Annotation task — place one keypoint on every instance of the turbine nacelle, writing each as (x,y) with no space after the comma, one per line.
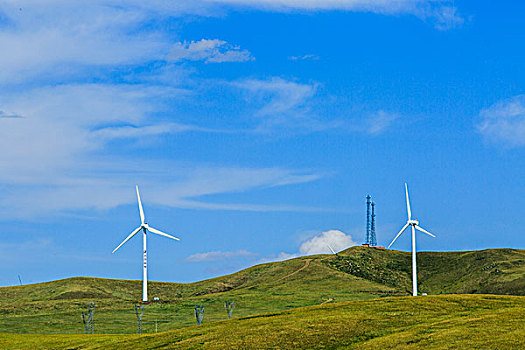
(413,222)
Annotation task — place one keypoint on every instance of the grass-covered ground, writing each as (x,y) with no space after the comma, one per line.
(432,322)
(491,271)
(55,307)
(355,274)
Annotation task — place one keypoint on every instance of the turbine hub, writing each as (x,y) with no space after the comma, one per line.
(413,222)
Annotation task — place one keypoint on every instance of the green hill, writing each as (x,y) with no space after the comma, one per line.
(491,271)
(356,274)
(432,322)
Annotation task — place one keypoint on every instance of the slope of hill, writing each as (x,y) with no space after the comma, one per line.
(491,271)
(355,274)
(433,322)
(55,307)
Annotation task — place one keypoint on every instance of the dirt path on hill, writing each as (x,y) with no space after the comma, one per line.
(327,301)
(307,262)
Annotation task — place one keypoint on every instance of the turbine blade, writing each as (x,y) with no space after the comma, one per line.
(408,203)
(333,252)
(399,234)
(127,239)
(140,206)
(425,231)
(162,233)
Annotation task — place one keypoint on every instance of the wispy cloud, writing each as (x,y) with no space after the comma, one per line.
(9,115)
(219,256)
(444,17)
(380,121)
(278,103)
(278,95)
(132,131)
(57,129)
(504,122)
(442,13)
(73,37)
(304,57)
(104,185)
(60,159)
(209,51)
(63,108)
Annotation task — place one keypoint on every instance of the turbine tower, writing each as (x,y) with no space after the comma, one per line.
(144,227)
(415,226)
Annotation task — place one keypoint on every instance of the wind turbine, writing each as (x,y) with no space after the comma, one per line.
(144,227)
(415,226)
(333,251)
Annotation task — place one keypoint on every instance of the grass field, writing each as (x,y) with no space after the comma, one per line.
(432,322)
(285,289)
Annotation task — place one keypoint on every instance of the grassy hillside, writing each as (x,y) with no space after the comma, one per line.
(55,307)
(492,271)
(355,274)
(433,322)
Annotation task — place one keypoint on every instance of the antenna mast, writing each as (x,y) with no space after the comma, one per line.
(373,241)
(367,241)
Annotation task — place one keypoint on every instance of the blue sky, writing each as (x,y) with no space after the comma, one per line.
(254,129)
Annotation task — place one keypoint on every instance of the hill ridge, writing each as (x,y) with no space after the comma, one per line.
(357,254)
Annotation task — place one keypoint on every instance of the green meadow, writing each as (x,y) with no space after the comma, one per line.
(358,298)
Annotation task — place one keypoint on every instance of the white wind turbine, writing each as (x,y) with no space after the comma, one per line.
(144,227)
(415,226)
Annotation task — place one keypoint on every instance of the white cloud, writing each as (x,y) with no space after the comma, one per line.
(56,130)
(9,115)
(338,240)
(71,37)
(279,103)
(132,131)
(218,256)
(209,51)
(446,17)
(65,36)
(108,32)
(278,95)
(59,158)
(304,57)
(55,136)
(107,184)
(318,244)
(380,121)
(442,13)
(504,122)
